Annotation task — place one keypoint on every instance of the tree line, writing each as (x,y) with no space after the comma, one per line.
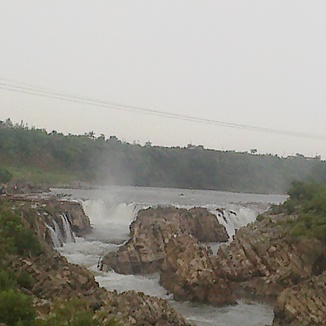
(40,156)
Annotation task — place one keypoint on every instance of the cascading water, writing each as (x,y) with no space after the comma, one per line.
(58,232)
(112,210)
(58,239)
(54,236)
(69,237)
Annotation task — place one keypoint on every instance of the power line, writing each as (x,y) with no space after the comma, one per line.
(13,86)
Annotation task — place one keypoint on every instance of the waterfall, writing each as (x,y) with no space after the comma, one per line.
(234,219)
(58,232)
(66,228)
(54,236)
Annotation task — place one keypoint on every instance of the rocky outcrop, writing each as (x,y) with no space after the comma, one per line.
(52,277)
(145,251)
(54,214)
(48,277)
(73,210)
(187,272)
(303,304)
(134,308)
(265,259)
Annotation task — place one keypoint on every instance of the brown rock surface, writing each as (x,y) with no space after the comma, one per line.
(51,277)
(145,251)
(303,304)
(134,308)
(267,259)
(187,272)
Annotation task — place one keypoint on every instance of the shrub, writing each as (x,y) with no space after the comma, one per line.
(16,308)
(7,281)
(15,238)
(5,175)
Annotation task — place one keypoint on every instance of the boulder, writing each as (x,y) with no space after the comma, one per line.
(136,308)
(145,251)
(265,259)
(303,304)
(187,272)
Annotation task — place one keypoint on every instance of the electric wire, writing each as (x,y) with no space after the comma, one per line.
(13,86)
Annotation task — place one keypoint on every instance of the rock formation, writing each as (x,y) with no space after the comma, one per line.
(303,304)
(167,240)
(145,251)
(51,277)
(265,259)
(53,213)
(187,272)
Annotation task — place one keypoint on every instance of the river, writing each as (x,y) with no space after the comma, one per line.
(112,209)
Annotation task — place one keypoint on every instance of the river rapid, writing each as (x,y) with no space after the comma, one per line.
(112,209)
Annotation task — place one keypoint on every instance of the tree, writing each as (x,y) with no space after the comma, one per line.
(5,175)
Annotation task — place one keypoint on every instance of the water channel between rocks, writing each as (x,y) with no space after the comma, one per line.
(112,209)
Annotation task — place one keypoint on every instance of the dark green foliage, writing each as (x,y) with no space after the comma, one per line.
(5,175)
(35,155)
(308,202)
(15,238)
(24,280)
(16,308)
(7,280)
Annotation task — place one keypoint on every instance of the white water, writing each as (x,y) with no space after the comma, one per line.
(112,209)
(66,228)
(54,236)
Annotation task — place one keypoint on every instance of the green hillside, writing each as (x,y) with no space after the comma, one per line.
(37,156)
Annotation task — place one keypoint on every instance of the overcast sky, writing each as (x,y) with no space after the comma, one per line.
(256,63)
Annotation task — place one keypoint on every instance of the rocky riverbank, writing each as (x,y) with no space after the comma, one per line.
(264,260)
(167,240)
(48,277)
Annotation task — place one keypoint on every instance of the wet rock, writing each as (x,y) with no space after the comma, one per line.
(187,272)
(136,308)
(145,251)
(265,259)
(303,304)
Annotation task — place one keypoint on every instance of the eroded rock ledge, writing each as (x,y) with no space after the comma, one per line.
(167,240)
(154,227)
(303,304)
(264,259)
(51,277)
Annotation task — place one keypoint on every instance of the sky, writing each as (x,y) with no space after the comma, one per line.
(254,63)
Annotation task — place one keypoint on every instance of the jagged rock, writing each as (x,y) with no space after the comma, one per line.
(51,278)
(50,211)
(134,308)
(75,213)
(187,272)
(145,251)
(54,278)
(303,304)
(267,259)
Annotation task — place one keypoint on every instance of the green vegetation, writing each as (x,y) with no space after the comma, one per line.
(37,156)
(15,238)
(308,202)
(16,308)
(5,175)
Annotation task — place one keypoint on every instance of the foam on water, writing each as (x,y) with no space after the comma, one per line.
(111,211)
(110,221)
(244,314)
(148,284)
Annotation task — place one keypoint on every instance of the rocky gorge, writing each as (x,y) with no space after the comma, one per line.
(48,277)
(264,261)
